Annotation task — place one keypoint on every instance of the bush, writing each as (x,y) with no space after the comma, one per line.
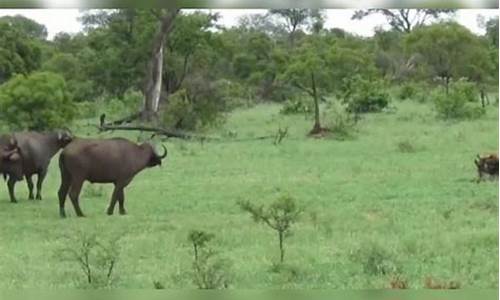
(280,215)
(339,121)
(376,260)
(94,258)
(363,95)
(198,104)
(118,107)
(460,102)
(297,106)
(412,91)
(38,101)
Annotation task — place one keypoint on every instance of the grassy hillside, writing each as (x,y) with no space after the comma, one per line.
(397,198)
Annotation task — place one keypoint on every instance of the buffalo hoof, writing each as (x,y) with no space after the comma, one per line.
(13,201)
(81,216)
(31,197)
(123,212)
(109,212)
(38,197)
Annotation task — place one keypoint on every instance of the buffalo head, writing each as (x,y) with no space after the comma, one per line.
(10,152)
(64,137)
(155,159)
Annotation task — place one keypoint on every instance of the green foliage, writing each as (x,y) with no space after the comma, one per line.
(449,50)
(340,122)
(20,53)
(209,271)
(297,105)
(279,216)
(376,260)
(197,105)
(38,101)
(95,258)
(415,91)
(69,66)
(363,95)
(460,103)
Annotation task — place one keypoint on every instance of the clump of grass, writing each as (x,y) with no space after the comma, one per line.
(406,146)
(279,216)
(340,123)
(399,282)
(376,260)
(431,283)
(95,258)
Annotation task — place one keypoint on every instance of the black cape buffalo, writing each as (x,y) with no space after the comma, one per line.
(487,164)
(35,150)
(115,160)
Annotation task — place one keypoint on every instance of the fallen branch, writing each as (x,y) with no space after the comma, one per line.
(157,130)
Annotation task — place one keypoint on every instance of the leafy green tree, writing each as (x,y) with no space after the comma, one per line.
(449,51)
(38,101)
(298,18)
(404,20)
(309,69)
(27,26)
(20,53)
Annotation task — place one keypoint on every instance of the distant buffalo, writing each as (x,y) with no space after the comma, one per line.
(487,164)
(115,160)
(35,150)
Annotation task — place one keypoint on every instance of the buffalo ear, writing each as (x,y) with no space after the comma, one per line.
(476,162)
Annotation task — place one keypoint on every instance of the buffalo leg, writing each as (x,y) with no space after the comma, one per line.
(74,192)
(10,184)
(39,181)
(62,193)
(29,181)
(121,202)
(114,198)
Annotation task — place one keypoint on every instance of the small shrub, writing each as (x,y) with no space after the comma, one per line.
(376,260)
(209,271)
(279,216)
(415,91)
(407,91)
(406,146)
(341,123)
(95,258)
(460,103)
(363,95)
(297,106)
(119,107)
(198,104)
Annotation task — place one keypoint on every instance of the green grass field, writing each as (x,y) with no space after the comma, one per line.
(398,196)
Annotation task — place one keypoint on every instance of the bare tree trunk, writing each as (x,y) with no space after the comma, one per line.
(152,90)
(447,84)
(317,125)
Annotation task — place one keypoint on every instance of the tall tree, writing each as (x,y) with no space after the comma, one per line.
(154,69)
(310,70)
(450,51)
(297,18)
(404,20)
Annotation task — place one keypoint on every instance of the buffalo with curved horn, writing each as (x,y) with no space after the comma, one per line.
(115,160)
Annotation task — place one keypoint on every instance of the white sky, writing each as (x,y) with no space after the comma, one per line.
(57,20)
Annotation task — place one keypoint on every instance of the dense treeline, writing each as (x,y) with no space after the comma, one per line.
(285,56)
